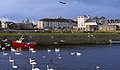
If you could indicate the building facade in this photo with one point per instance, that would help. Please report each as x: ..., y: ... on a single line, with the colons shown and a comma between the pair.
x: 57, y: 23
x: 108, y: 27
x: 4, y: 25
x: 85, y: 23
x: 81, y: 22
x: 114, y: 22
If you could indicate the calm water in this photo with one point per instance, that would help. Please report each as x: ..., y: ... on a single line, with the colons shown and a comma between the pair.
x: 107, y: 57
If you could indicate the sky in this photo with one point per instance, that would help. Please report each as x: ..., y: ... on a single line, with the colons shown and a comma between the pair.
x: 38, y: 9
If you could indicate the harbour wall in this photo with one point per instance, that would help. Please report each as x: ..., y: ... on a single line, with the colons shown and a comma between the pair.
x: 76, y: 39
x: 50, y: 40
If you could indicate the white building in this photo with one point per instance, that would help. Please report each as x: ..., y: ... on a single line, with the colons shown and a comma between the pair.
x: 56, y: 23
x: 4, y: 25
x: 84, y: 22
x: 90, y: 22
x: 114, y: 22
x: 91, y: 25
x: 81, y: 21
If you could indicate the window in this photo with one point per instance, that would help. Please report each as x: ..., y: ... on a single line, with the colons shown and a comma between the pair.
x: 81, y: 16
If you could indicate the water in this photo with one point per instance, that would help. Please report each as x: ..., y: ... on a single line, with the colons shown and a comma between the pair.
x: 106, y: 57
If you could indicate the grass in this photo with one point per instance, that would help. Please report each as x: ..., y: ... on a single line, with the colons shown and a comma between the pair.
x: 8, y: 34
x: 70, y: 38
x: 56, y: 34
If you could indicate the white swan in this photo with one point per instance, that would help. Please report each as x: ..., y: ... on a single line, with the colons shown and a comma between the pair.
x: 5, y: 53
x: 10, y: 60
x: 33, y: 67
x: 14, y: 66
x: 57, y: 50
x: 59, y: 54
x: 32, y: 61
x: 33, y: 51
x: 44, y: 57
x: 59, y: 57
x: 72, y: 53
x: 62, y: 41
x: 48, y: 50
x: 49, y: 68
x: 97, y: 67
x: 3, y: 48
x: 78, y: 53
x: 55, y: 43
x: 13, y: 50
x: 52, y: 37
x: 17, y: 53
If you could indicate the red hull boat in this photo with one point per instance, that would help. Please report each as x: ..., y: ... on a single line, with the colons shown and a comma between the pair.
x: 19, y: 44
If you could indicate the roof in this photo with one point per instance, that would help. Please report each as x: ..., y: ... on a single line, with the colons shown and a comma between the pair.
x: 90, y: 20
x: 57, y: 20
x: 114, y: 21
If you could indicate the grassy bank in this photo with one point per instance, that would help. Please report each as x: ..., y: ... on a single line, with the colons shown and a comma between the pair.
x: 48, y: 39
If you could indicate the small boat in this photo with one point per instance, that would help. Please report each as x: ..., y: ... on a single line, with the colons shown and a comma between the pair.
x: 114, y: 42
x: 16, y: 44
x: 19, y: 44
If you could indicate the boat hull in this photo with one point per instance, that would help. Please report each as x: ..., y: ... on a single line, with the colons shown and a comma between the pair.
x: 115, y: 42
x: 23, y: 45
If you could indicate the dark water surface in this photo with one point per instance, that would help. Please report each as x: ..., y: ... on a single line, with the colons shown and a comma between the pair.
x: 106, y: 57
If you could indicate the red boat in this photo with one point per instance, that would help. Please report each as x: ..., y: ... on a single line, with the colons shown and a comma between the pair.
x: 19, y: 44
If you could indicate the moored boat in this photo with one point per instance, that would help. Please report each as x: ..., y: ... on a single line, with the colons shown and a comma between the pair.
x: 114, y: 42
x: 19, y: 44
x: 23, y: 44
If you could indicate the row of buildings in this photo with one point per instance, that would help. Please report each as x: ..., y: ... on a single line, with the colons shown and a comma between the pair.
x: 21, y: 25
x: 83, y: 23
x: 56, y: 23
x: 86, y: 23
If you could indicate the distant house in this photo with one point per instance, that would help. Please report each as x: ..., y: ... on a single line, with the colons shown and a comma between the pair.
x: 29, y: 26
x: 108, y: 27
x: 22, y: 25
x: 85, y: 23
x: 5, y: 24
x: 91, y: 25
x: 81, y: 22
x: 56, y: 23
x: 114, y: 22
x: 26, y: 24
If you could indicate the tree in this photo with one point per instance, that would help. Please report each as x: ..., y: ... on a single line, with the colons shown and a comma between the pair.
x: 102, y: 18
x: 12, y: 26
x: 95, y: 18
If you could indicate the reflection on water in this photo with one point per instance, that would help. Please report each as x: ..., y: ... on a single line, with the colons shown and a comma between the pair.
x: 87, y: 57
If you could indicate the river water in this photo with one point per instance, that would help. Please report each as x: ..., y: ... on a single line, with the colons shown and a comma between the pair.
x: 92, y: 57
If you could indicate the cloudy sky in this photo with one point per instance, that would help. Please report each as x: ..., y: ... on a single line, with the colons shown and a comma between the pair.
x: 37, y: 9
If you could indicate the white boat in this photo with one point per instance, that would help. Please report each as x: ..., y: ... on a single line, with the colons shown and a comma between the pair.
x: 114, y: 42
